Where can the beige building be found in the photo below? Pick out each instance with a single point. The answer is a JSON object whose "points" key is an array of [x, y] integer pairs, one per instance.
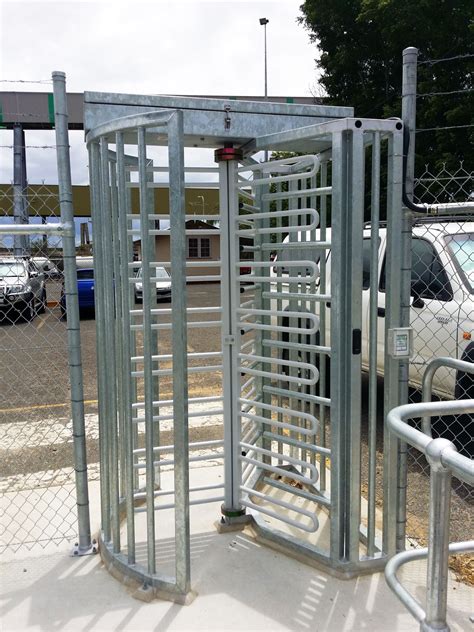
{"points": [[203, 247]]}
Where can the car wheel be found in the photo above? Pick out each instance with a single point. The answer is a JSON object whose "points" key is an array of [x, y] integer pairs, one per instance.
{"points": [[42, 305]]}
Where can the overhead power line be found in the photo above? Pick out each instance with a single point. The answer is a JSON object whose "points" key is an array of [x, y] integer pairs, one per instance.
{"points": [[435, 129], [438, 61], [25, 81], [436, 94]]}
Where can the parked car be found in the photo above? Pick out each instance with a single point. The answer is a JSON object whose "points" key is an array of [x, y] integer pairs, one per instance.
{"points": [[85, 291], [162, 284], [47, 267], [22, 288], [442, 308]]}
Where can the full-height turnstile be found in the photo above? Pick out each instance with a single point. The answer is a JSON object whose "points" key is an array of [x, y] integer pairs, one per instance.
{"points": [[295, 332]]}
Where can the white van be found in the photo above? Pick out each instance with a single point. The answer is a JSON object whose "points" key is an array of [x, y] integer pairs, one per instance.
{"points": [[442, 312], [47, 267]]}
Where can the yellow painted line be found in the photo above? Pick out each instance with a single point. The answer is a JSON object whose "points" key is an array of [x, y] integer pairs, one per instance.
{"points": [[22, 409], [40, 324], [41, 407]]}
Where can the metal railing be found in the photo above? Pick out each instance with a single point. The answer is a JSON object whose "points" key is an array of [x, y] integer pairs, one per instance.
{"points": [[445, 462]]}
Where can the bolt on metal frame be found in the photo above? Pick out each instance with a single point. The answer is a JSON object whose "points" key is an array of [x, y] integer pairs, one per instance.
{"points": [[278, 422]]}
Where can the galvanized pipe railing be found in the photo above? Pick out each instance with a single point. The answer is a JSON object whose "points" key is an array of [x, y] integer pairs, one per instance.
{"points": [[427, 387], [444, 461]]}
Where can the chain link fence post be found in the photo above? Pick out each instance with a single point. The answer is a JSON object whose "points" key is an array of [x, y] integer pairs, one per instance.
{"points": [[73, 324], [410, 58]]}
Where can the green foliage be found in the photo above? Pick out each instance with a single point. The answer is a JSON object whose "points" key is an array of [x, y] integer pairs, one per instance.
{"points": [[361, 43]]}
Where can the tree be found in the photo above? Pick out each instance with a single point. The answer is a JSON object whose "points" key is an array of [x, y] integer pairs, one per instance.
{"points": [[361, 44]]}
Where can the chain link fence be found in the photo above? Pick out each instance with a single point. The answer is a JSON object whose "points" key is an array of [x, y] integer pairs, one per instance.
{"points": [[37, 471], [442, 318]]}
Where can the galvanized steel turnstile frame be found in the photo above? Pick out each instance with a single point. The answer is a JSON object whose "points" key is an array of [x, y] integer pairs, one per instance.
{"points": [[113, 304], [347, 141], [339, 148]]}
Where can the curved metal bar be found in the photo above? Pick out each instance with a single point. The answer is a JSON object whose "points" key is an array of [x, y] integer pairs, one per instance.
{"points": [[410, 556], [134, 121], [312, 161], [427, 387], [397, 418]]}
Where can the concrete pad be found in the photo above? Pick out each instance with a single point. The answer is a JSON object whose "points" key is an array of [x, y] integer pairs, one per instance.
{"points": [[240, 585]]}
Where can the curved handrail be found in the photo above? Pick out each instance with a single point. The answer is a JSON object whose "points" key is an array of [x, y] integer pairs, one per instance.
{"points": [[427, 385], [444, 460], [402, 558]]}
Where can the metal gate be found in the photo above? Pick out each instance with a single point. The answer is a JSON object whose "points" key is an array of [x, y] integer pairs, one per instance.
{"points": [[298, 336], [292, 333]]}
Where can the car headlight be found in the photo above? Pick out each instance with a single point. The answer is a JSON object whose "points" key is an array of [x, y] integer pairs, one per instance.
{"points": [[17, 289]]}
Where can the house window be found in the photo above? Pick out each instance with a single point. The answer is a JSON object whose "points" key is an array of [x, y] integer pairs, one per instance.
{"points": [[199, 248]]}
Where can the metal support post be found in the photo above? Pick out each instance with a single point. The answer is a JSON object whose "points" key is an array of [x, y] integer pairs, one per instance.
{"points": [[179, 342], [232, 511], [356, 218], [410, 58], [393, 319], [438, 550], [21, 246], [73, 326], [340, 337]]}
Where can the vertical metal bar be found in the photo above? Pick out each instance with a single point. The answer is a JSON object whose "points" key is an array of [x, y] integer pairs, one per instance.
{"points": [[231, 338], [339, 340], [310, 307], [322, 329], [154, 332], [179, 341], [392, 319], [438, 543], [21, 243], [118, 321], [409, 83], [279, 305], [132, 334], [96, 208], [355, 314], [73, 324], [261, 303], [109, 328], [127, 352], [373, 341], [293, 288], [409, 88], [147, 349]]}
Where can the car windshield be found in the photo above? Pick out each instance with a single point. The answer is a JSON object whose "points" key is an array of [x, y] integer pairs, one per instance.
{"points": [[11, 269], [462, 248], [160, 273]]}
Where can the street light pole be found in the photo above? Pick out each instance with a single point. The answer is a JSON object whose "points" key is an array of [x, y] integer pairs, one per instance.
{"points": [[201, 197], [264, 22]]}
